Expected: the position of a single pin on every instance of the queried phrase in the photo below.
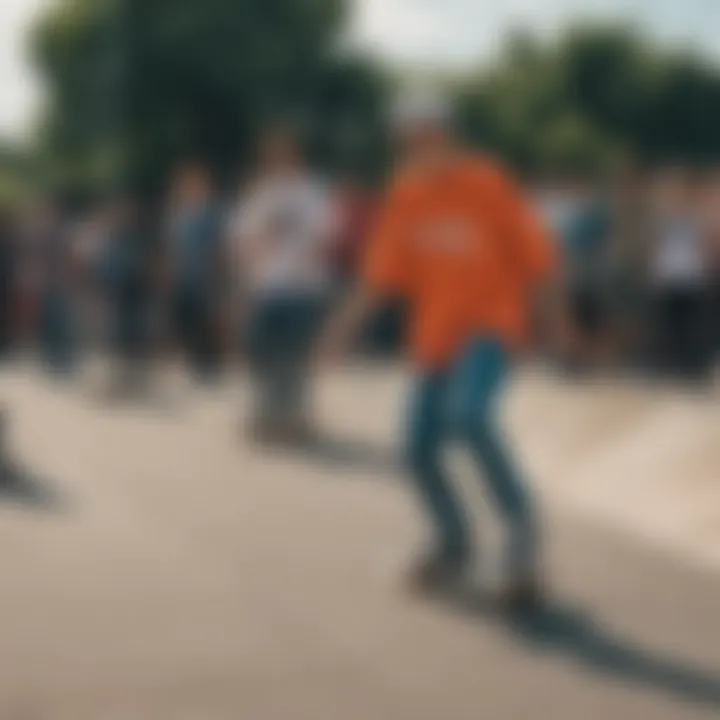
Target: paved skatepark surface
(159, 568)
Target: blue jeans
(281, 335)
(458, 404)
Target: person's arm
(324, 225)
(384, 274)
(345, 325)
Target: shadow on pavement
(352, 455)
(564, 630)
(22, 488)
(152, 397)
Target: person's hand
(329, 352)
(343, 328)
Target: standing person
(714, 261)
(710, 228)
(8, 274)
(458, 240)
(8, 268)
(50, 272)
(626, 286)
(585, 241)
(125, 282)
(193, 261)
(283, 230)
(680, 278)
(556, 202)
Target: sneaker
(266, 431)
(437, 572)
(522, 595)
(300, 432)
(258, 430)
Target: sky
(459, 33)
(21, 89)
(451, 34)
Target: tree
(599, 92)
(137, 86)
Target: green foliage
(16, 173)
(598, 93)
(138, 85)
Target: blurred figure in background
(193, 257)
(715, 273)
(283, 231)
(585, 239)
(8, 281)
(627, 262)
(125, 281)
(680, 276)
(458, 240)
(90, 243)
(711, 235)
(8, 323)
(557, 200)
(50, 280)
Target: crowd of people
(204, 274)
(642, 268)
(213, 277)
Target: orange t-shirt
(464, 248)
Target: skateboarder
(458, 241)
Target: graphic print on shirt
(448, 235)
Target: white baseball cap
(420, 106)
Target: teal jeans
(458, 405)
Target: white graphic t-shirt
(283, 230)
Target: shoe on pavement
(522, 595)
(438, 572)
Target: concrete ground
(164, 570)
